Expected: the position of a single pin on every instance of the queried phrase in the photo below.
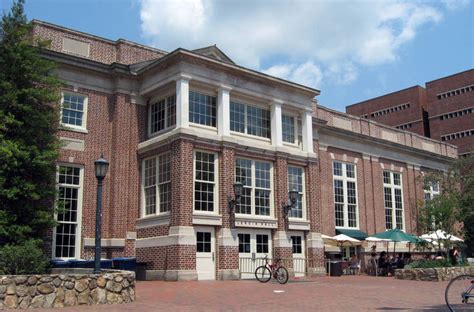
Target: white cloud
(300, 40)
(455, 4)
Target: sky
(350, 50)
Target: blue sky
(350, 50)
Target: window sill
(196, 125)
(152, 221)
(251, 221)
(162, 131)
(298, 224)
(73, 129)
(207, 219)
(249, 136)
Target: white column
(223, 110)
(307, 124)
(276, 128)
(182, 101)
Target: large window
(256, 178)
(289, 128)
(250, 120)
(66, 239)
(162, 114)
(345, 195)
(296, 181)
(393, 200)
(73, 110)
(431, 191)
(202, 109)
(205, 178)
(156, 184)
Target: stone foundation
(65, 290)
(433, 274)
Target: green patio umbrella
(397, 235)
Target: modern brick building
(442, 111)
(180, 128)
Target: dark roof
(214, 52)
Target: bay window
(249, 120)
(162, 114)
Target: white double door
(253, 246)
(205, 253)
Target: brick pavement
(346, 293)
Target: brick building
(180, 128)
(442, 111)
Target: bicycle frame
(467, 294)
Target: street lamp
(101, 166)
(293, 196)
(238, 188)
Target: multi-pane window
(262, 243)
(73, 110)
(288, 128)
(256, 178)
(431, 191)
(244, 243)
(393, 200)
(296, 244)
(66, 236)
(163, 114)
(296, 182)
(345, 195)
(157, 184)
(203, 242)
(249, 119)
(205, 179)
(202, 109)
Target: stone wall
(433, 274)
(64, 290)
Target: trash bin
(82, 264)
(335, 268)
(126, 264)
(140, 273)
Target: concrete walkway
(346, 293)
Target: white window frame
(344, 178)
(303, 193)
(83, 126)
(216, 183)
(392, 187)
(252, 196)
(245, 133)
(297, 130)
(431, 191)
(198, 125)
(157, 188)
(155, 102)
(80, 187)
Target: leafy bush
(427, 264)
(26, 258)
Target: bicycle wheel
(459, 294)
(282, 275)
(262, 274)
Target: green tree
(29, 116)
(452, 211)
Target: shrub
(26, 258)
(427, 264)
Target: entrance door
(253, 246)
(299, 262)
(205, 253)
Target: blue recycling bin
(60, 264)
(106, 263)
(82, 264)
(126, 264)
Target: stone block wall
(433, 274)
(65, 290)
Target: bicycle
(265, 272)
(459, 294)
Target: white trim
(80, 187)
(153, 220)
(143, 214)
(255, 222)
(257, 106)
(83, 126)
(105, 242)
(392, 187)
(304, 217)
(155, 101)
(200, 218)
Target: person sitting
(439, 256)
(355, 265)
(399, 263)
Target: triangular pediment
(215, 53)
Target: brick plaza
(346, 293)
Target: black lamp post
(238, 188)
(293, 195)
(101, 166)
